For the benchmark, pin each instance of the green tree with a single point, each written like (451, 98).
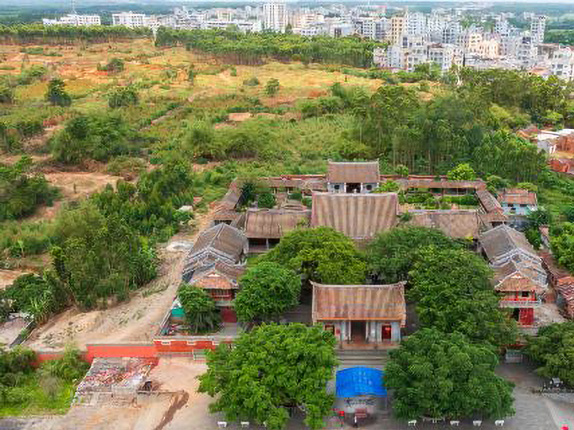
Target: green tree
(539, 217)
(452, 291)
(96, 136)
(21, 192)
(568, 213)
(123, 96)
(402, 170)
(272, 87)
(120, 260)
(495, 183)
(553, 349)
(115, 65)
(6, 94)
(562, 244)
(39, 296)
(267, 290)
(462, 172)
(392, 254)
(266, 200)
(440, 375)
(320, 254)
(56, 94)
(270, 369)
(388, 186)
(200, 311)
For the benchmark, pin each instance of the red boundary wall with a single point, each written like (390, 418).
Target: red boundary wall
(153, 350)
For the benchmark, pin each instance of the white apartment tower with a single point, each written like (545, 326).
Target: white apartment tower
(416, 24)
(275, 16)
(537, 28)
(562, 63)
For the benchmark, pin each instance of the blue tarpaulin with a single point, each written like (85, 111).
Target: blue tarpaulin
(360, 381)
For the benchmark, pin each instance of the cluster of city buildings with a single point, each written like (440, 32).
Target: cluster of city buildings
(445, 37)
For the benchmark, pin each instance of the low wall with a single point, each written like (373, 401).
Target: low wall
(132, 350)
(189, 347)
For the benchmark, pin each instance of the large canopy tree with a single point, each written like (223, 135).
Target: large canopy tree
(320, 254)
(270, 369)
(553, 348)
(453, 293)
(267, 290)
(562, 241)
(392, 253)
(200, 311)
(444, 375)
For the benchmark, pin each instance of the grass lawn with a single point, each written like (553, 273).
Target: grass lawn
(29, 398)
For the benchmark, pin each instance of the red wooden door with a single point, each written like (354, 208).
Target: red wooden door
(228, 315)
(386, 332)
(526, 316)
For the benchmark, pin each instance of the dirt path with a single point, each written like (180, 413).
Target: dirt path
(136, 320)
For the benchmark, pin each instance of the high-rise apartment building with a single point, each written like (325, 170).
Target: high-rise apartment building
(398, 28)
(537, 28)
(275, 16)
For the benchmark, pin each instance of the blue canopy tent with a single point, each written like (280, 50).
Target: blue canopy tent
(360, 381)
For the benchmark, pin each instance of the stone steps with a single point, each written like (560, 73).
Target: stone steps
(368, 358)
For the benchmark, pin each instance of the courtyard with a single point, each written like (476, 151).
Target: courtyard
(182, 408)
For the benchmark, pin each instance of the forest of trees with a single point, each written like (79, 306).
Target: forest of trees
(67, 34)
(255, 48)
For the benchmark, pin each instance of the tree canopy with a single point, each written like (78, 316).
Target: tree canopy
(440, 375)
(200, 311)
(562, 242)
(270, 369)
(56, 94)
(391, 254)
(97, 137)
(553, 349)
(462, 172)
(123, 96)
(453, 293)
(320, 254)
(22, 191)
(267, 290)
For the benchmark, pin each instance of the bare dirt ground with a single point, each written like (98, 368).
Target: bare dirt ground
(136, 320)
(185, 409)
(73, 186)
(8, 276)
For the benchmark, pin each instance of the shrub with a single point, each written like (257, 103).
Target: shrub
(251, 82)
(123, 96)
(115, 65)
